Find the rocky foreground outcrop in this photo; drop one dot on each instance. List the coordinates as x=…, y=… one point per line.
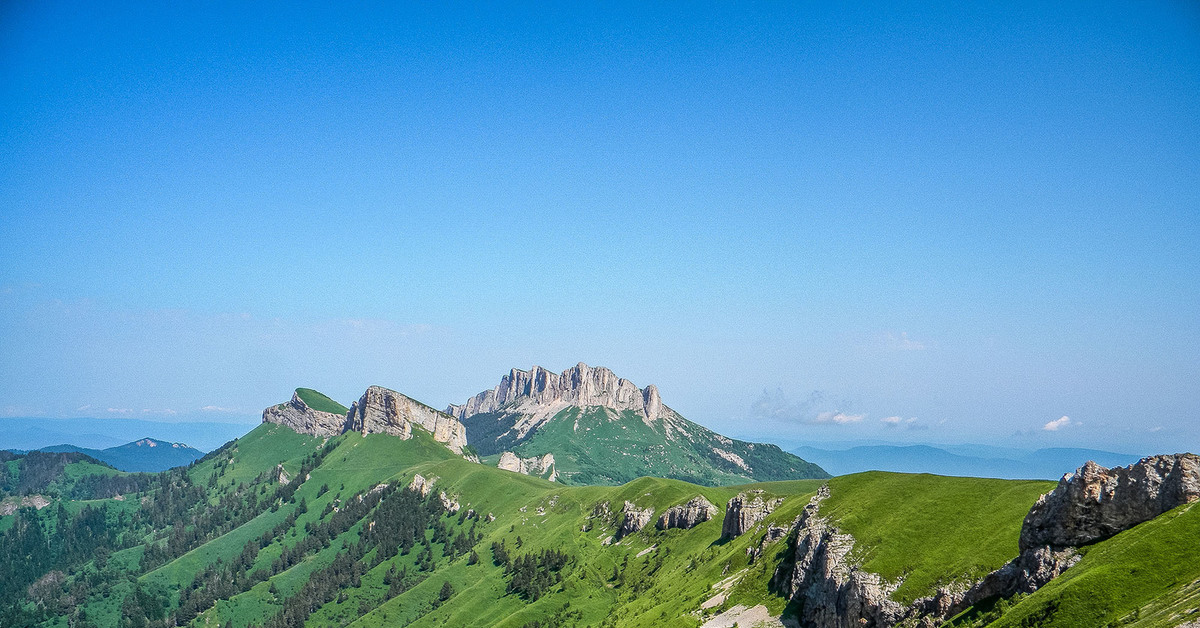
x=1095, y=503
x=300, y=417
x=1092, y=504
x=538, y=465
x=543, y=393
x=378, y=411
x=744, y=511
x=689, y=515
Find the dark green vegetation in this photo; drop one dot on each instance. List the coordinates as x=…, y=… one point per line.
x=345, y=542
x=677, y=449
x=319, y=402
x=146, y=455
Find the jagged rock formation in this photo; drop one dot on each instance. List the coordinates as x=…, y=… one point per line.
x=634, y=519
x=297, y=415
x=449, y=503
x=421, y=485
x=529, y=466
x=543, y=393
x=696, y=511
x=378, y=411
x=383, y=411
x=744, y=511
x=1095, y=503
x=13, y=504
x=603, y=429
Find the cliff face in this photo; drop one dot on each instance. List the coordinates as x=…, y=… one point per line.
x=1095, y=503
x=542, y=393
x=297, y=415
x=383, y=411
x=537, y=465
x=378, y=411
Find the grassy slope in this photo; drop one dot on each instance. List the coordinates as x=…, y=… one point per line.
x=1147, y=576
x=931, y=530
x=928, y=529
x=321, y=403
x=633, y=449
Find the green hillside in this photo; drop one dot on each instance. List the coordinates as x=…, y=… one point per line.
x=321, y=403
x=598, y=445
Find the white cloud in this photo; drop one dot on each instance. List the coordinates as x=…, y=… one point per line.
x=120, y=410
x=1057, y=424
x=904, y=343
x=839, y=418
x=218, y=409
x=911, y=423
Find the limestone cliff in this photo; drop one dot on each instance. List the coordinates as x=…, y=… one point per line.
x=300, y=417
x=542, y=394
x=1095, y=503
x=689, y=515
x=744, y=511
x=383, y=411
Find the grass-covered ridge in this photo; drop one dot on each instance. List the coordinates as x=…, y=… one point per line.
x=930, y=530
x=319, y=402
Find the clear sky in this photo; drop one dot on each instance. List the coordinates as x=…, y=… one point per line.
x=954, y=222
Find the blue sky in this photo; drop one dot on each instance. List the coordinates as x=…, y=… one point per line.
x=802, y=221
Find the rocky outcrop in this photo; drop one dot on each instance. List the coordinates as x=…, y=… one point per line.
x=383, y=411
x=1095, y=503
x=543, y=393
x=537, y=465
x=420, y=485
x=831, y=591
x=744, y=511
x=633, y=519
x=449, y=503
x=297, y=415
x=696, y=511
x=13, y=504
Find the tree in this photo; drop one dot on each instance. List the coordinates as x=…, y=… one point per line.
x=447, y=591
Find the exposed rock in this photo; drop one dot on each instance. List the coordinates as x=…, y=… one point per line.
x=383, y=411
x=449, y=503
x=538, y=465
x=12, y=504
x=421, y=485
x=696, y=511
x=634, y=519
x=1095, y=503
x=1025, y=574
x=281, y=475
x=744, y=511
x=297, y=415
x=774, y=533
x=832, y=593
x=542, y=393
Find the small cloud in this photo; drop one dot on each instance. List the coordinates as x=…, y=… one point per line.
x=1058, y=424
x=1157, y=428
x=83, y=408
x=153, y=411
x=839, y=418
x=911, y=423
x=218, y=409
x=904, y=343
x=120, y=410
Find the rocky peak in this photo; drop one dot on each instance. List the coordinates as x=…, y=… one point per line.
x=1095, y=503
x=300, y=417
x=383, y=411
x=540, y=391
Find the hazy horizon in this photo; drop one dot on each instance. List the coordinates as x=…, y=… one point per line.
x=803, y=223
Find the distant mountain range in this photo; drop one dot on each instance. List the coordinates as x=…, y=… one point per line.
x=965, y=460
x=147, y=455
x=30, y=433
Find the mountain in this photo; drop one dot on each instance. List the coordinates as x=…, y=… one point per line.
x=281, y=528
x=29, y=433
x=145, y=455
x=378, y=411
x=1015, y=464
x=603, y=429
